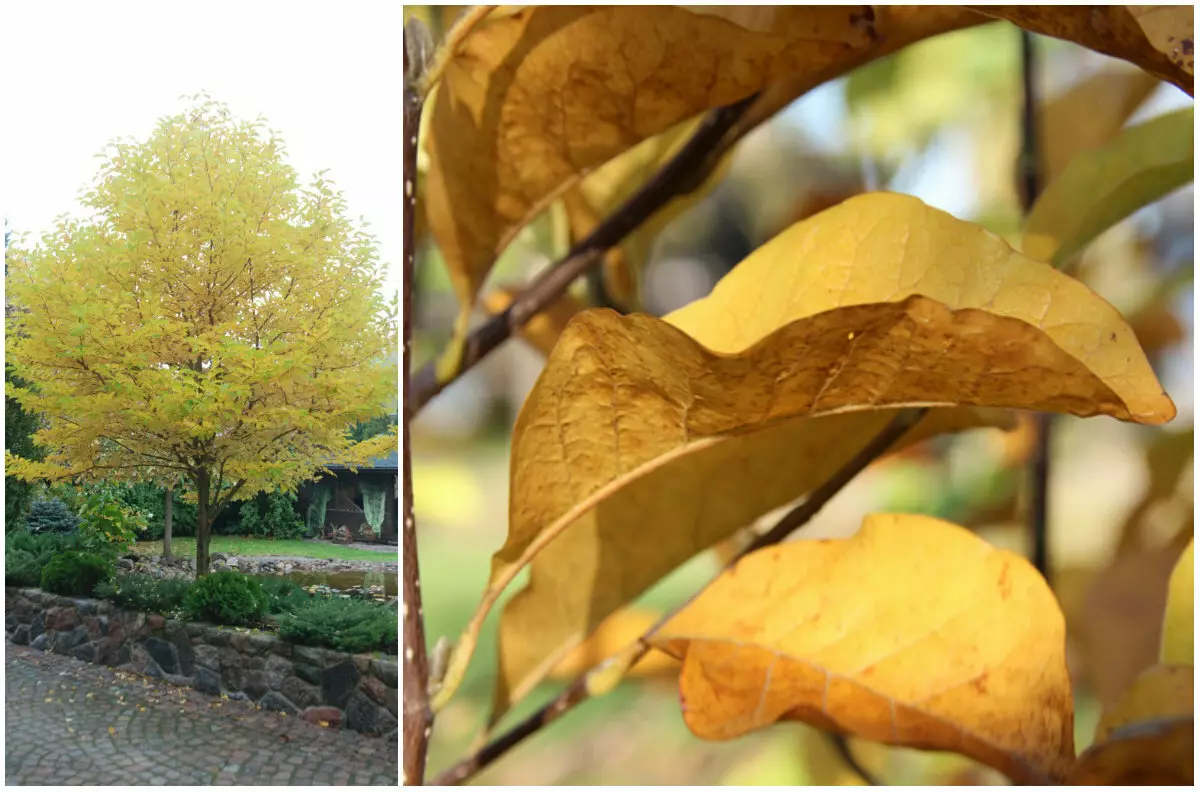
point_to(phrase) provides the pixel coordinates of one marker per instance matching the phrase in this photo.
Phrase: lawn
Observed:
(245, 546)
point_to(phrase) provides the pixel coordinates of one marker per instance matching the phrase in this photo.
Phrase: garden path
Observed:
(69, 722)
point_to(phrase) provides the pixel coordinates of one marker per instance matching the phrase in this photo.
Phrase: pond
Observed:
(344, 581)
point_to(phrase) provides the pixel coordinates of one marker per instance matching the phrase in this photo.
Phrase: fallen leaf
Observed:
(1163, 691)
(1101, 187)
(975, 665)
(1154, 753)
(112, 730)
(1178, 640)
(1170, 30)
(532, 99)
(1109, 30)
(634, 424)
(1089, 114)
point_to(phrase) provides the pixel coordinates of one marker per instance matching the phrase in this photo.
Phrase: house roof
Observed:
(389, 462)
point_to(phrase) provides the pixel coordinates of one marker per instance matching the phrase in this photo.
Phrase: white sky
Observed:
(326, 76)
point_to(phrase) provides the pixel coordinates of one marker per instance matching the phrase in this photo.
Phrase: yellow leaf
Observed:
(1109, 30)
(616, 633)
(1178, 640)
(846, 635)
(532, 99)
(641, 446)
(1163, 691)
(1170, 30)
(112, 730)
(542, 331)
(1090, 113)
(1151, 753)
(1102, 187)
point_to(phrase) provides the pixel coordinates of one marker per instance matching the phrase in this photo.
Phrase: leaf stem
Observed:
(601, 678)
(418, 716)
(1031, 187)
(685, 172)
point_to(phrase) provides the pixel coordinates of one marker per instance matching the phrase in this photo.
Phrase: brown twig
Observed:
(418, 716)
(1031, 187)
(599, 679)
(685, 172)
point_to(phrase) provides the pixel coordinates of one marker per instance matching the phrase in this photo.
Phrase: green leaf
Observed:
(1100, 188)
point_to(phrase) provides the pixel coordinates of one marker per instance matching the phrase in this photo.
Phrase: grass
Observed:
(244, 546)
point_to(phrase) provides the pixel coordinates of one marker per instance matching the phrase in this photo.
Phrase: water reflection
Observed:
(347, 580)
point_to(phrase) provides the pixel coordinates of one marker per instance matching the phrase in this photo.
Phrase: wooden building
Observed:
(350, 498)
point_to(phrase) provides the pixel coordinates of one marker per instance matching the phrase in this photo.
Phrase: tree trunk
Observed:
(167, 524)
(202, 524)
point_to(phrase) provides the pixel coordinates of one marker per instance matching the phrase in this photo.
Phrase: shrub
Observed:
(75, 573)
(343, 624)
(149, 500)
(50, 516)
(283, 594)
(26, 554)
(107, 527)
(146, 593)
(226, 598)
(272, 516)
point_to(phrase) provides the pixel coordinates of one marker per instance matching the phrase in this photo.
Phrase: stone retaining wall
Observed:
(352, 691)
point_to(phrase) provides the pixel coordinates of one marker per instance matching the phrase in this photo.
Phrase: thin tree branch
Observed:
(418, 716)
(684, 173)
(1031, 187)
(599, 680)
(841, 744)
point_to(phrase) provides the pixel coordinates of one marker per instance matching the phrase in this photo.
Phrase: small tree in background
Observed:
(214, 321)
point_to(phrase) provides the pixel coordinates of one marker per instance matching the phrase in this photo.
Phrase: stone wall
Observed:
(352, 691)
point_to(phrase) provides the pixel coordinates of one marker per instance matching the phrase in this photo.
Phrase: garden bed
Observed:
(354, 691)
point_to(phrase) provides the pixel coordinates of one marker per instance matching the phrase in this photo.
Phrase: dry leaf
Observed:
(1154, 753)
(1101, 187)
(640, 446)
(1090, 113)
(1109, 30)
(849, 635)
(1179, 640)
(542, 331)
(532, 99)
(1164, 691)
(1170, 30)
(616, 633)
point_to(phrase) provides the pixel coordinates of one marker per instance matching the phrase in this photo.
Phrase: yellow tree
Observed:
(214, 320)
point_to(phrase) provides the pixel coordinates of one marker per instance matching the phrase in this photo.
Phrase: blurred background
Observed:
(1121, 495)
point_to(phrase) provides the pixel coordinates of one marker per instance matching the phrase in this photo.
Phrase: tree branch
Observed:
(684, 173)
(1031, 187)
(418, 716)
(600, 679)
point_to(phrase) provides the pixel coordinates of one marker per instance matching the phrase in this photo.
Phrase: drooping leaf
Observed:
(1178, 640)
(851, 635)
(642, 445)
(1153, 753)
(1102, 187)
(1163, 691)
(531, 99)
(1118, 31)
(1089, 114)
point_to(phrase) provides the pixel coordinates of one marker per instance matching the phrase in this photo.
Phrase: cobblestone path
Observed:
(70, 722)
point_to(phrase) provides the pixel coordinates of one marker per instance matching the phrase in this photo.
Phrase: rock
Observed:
(233, 677)
(238, 641)
(207, 681)
(311, 655)
(362, 714)
(259, 643)
(277, 670)
(386, 671)
(123, 655)
(302, 693)
(338, 683)
(86, 607)
(309, 673)
(36, 628)
(85, 652)
(332, 716)
(215, 557)
(59, 619)
(362, 663)
(155, 622)
(124, 565)
(207, 656)
(184, 651)
(39, 642)
(380, 693)
(255, 685)
(183, 680)
(276, 701)
(164, 655)
(238, 695)
(20, 635)
(215, 636)
(194, 630)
